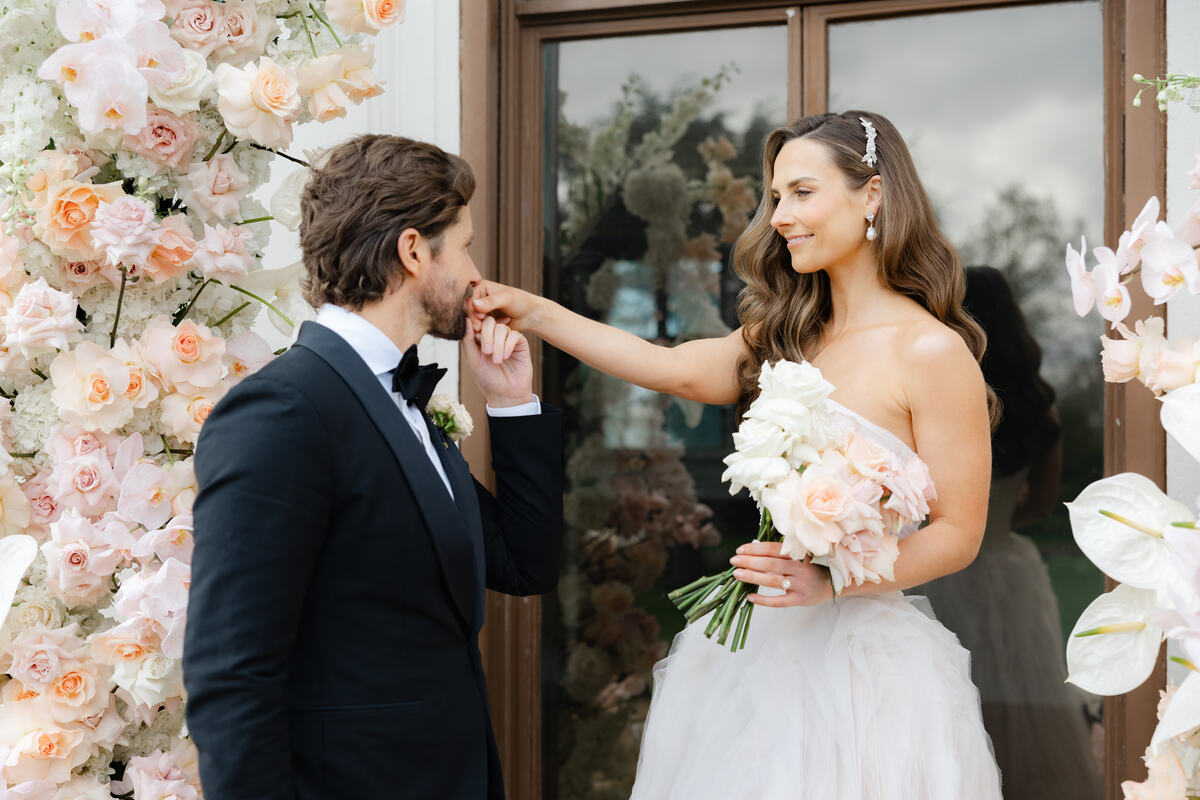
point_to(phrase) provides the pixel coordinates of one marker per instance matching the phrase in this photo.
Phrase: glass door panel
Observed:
(1003, 111)
(652, 160)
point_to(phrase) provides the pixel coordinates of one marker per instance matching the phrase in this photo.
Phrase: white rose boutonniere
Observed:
(451, 416)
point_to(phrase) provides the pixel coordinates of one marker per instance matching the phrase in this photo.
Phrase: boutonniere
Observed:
(451, 416)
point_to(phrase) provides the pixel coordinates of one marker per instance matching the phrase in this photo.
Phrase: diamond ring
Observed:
(786, 585)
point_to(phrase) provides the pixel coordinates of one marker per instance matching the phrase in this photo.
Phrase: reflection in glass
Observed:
(1011, 152)
(652, 158)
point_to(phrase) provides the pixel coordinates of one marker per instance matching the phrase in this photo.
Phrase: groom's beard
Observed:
(447, 311)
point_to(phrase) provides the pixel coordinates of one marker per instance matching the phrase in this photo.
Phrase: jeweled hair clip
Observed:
(870, 157)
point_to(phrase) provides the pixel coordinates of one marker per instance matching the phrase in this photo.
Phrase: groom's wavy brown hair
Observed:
(783, 312)
(360, 197)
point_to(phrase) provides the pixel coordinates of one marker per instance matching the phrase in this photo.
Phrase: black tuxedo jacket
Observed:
(337, 589)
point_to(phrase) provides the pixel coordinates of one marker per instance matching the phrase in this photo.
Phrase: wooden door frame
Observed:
(502, 107)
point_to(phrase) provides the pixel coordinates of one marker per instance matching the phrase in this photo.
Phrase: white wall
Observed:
(1183, 143)
(418, 62)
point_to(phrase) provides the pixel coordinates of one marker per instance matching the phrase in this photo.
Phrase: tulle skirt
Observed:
(865, 698)
(1004, 611)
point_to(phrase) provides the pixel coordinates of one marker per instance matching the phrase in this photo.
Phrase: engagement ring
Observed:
(786, 585)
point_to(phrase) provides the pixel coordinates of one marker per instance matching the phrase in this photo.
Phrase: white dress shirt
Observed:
(381, 356)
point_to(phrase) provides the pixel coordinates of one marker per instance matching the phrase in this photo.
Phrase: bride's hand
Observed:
(760, 563)
(513, 307)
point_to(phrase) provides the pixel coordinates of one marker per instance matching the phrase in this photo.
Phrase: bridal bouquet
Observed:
(830, 494)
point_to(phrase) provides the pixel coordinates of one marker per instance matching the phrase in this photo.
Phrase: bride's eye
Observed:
(803, 192)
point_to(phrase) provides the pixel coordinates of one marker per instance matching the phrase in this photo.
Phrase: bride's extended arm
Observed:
(948, 402)
(704, 370)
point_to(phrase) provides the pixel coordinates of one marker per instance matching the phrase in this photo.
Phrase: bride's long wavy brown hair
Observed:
(783, 312)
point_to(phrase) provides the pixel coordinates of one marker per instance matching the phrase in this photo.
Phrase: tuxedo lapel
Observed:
(455, 545)
(465, 499)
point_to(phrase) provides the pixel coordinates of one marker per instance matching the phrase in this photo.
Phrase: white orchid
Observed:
(1083, 284)
(1180, 417)
(1168, 264)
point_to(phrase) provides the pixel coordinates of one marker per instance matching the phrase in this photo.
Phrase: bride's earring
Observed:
(870, 226)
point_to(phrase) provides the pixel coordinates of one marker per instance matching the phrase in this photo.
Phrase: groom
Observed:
(342, 546)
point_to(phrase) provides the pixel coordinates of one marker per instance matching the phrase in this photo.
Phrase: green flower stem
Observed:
(22, 455)
(727, 614)
(746, 627)
(282, 315)
(308, 33)
(1189, 525)
(739, 633)
(230, 315)
(216, 146)
(255, 219)
(706, 583)
(112, 336)
(321, 18)
(40, 374)
(167, 449)
(182, 313)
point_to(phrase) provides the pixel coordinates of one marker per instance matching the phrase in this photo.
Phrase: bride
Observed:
(861, 695)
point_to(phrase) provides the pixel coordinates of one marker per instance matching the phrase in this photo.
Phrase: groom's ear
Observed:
(413, 251)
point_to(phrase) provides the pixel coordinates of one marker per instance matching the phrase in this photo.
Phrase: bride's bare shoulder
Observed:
(934, 355)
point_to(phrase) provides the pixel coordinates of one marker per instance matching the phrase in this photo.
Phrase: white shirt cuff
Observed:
(534, 406)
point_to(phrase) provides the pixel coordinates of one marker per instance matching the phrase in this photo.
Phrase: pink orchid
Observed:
(87, 20)
(1112, 298)
(1167, 265)
(146, 496)
(1141, 233)
(174, 540)
(245, 354)
(1083, 284)
(159, 57)
(1188, 229)
(115, 97)
(159, 598)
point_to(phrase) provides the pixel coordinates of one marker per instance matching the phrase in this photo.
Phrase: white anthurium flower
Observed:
(1180, 415)
(17, 552)
(1182, 714)
(285, 203)
(1118, 522)
(1113, 646)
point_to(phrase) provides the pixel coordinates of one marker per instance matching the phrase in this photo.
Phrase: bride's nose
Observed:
(780, 217)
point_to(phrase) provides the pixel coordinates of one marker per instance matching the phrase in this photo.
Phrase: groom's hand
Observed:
(499, 358)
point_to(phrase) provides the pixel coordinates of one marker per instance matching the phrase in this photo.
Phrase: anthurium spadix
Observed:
(1118, 523)
(1180, 416)
(1182, 714)
(1113, 646)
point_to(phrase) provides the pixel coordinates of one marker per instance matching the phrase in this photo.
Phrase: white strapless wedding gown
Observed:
(862, 698)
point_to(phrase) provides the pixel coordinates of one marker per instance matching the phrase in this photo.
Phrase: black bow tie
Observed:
(415, 381)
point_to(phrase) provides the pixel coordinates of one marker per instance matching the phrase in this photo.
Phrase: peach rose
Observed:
(167, 138)
(184, 414)
(364, 16)
(1119, 357)
(186, 357)
(357, 78)
(64, 221)
(77, 693)
(172, 251)
(321, 79)
(259, 101)
(90, 387)
(141, 390)
(40, 750)
(215, 188)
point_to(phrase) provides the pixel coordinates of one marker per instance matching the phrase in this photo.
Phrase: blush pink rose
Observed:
(38, 655)
(806, 509)
(43, 508)
(215, 188)
(90, 386)
(80, 559)
(68, 441)
(244, 31)
(357, 77)
(125, 230)
(186, 358)
(222, 255)
(167, 138)
(86, 273)
(198, 25)
(173, 249)
(40, 320)
(911, 488)
(85, 484)
(321, 79)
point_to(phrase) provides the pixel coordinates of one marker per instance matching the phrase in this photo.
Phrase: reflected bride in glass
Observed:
(860, 695)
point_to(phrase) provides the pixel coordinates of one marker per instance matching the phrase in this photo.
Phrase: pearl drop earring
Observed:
(870, 226)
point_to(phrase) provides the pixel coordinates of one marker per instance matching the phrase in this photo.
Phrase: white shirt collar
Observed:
(371, 344)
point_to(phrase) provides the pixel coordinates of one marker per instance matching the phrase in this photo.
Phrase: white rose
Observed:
(192, 87)
(259, 101)
(801, 382)
(761, 438)
(157, 679)
(451, 416)
(754, 473)
(41, 320)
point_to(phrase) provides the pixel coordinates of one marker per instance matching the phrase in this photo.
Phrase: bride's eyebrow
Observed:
(794, 182)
